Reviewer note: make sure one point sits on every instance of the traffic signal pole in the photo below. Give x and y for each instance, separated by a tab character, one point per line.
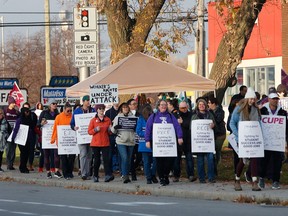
83	71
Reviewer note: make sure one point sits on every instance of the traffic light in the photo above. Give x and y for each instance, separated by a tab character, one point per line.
84	18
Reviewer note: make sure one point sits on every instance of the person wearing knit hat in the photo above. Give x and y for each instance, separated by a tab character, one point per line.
85	155
11	100
246	110
250	93
85	98
11	115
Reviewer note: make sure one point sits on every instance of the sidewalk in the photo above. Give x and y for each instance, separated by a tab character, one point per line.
217	191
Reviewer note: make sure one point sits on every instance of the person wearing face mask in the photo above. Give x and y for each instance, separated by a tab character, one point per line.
125	141
246	110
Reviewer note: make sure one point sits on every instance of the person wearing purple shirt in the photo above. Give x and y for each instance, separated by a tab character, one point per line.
164	164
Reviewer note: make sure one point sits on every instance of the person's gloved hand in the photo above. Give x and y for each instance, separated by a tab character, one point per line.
116	127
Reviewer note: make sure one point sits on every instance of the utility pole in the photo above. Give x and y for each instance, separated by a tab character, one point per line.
200	41
83	71
47	41
98	57
2	45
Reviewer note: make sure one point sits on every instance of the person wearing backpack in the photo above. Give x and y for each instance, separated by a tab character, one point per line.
3	136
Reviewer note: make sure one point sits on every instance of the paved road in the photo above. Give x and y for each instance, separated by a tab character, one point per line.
23	199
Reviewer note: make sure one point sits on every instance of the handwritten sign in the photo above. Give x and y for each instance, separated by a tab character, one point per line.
274	132
82	121
47	130
164	140
102	94
67	141
202	136
21	136
251	143
127	123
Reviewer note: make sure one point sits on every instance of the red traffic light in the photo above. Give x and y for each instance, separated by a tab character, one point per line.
84	12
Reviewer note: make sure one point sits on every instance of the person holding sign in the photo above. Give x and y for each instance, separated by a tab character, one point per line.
25	119
246	110
100	127
64	118
51	157
162	126
274	158
85	150
125	139
202	112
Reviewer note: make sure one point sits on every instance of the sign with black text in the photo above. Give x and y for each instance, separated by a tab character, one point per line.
103	94
127	123
250	137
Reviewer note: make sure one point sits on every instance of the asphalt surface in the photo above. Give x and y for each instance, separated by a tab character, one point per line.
184	188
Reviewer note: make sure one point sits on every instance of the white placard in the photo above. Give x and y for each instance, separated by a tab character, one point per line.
21	136
251	143
274	132
67	141
164	140
103	94
232	140
47	130
202	136
82	121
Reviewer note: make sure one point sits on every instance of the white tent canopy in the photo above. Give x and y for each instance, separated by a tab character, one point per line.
140	73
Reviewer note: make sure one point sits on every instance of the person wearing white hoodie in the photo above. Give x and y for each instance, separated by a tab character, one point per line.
272	159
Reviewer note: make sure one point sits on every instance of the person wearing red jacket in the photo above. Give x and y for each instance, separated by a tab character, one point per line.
100	127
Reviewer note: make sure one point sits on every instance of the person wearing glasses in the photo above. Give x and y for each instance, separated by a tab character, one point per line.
85	149
26	118
125	141
184	120
162	116
51	157
100	127
3	136
64	118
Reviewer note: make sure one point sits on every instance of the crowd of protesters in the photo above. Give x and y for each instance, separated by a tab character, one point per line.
123	149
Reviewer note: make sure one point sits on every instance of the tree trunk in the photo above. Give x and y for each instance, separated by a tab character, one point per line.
129	35
232	46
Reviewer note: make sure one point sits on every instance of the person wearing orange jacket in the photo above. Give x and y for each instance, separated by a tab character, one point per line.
100	128
64	118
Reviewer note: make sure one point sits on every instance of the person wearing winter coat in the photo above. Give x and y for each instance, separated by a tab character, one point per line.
272	159
25	119
246	110
100	127
149	161
3	136
125	140
202	112
162	116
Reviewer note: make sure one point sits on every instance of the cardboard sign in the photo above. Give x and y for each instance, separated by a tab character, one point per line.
103	94
82	121
47	130
127	123
67	141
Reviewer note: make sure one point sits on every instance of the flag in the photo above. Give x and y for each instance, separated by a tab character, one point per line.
17	94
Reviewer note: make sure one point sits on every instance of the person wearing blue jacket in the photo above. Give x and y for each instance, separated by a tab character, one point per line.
148	160
85	150
246	110
162	116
